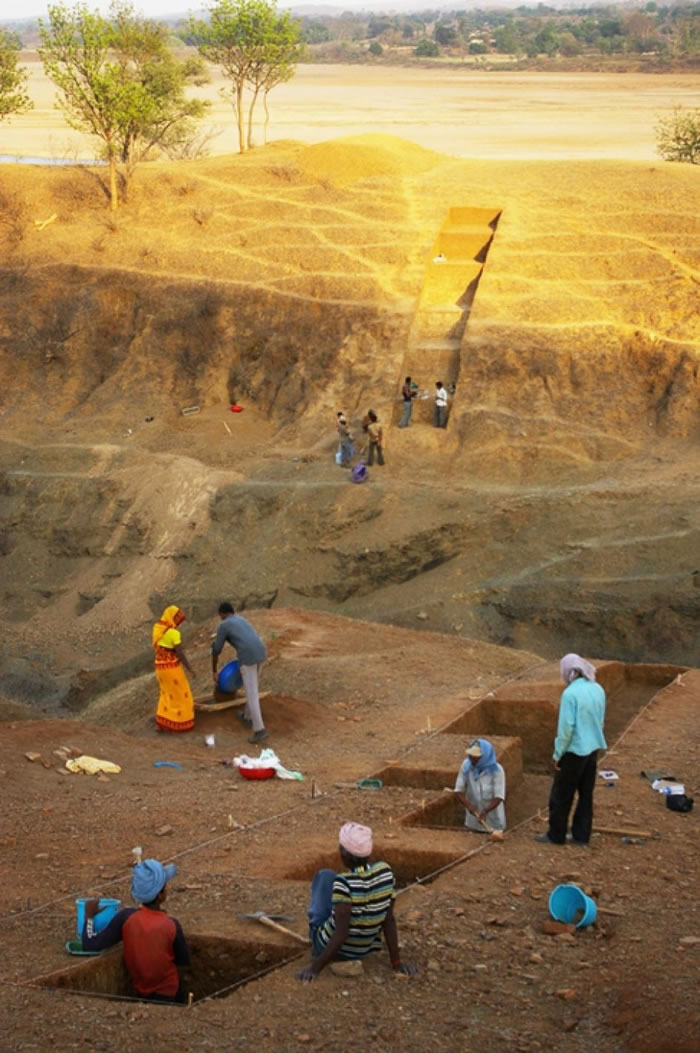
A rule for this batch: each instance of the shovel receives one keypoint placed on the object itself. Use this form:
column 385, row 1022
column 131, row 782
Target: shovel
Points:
column 268, row 919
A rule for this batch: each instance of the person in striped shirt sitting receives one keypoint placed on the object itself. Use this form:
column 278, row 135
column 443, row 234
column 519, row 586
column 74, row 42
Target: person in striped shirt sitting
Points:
column 349, row 911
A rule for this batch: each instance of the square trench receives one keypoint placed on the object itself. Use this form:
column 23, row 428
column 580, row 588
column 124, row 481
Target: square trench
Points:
column 218, row 966
column 409, row 864
column 445, row 812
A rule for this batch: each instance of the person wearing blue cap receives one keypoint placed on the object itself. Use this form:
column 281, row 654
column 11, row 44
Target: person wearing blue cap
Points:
column 154, row 943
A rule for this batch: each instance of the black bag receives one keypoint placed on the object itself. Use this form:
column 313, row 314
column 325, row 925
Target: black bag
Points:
column 679, row 802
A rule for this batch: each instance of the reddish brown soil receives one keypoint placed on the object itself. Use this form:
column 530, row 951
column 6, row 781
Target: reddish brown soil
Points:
column 488, row 974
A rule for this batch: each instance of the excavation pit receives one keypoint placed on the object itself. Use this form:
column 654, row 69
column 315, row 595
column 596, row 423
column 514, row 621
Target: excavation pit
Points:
column 439, row 760
column 529, row 709
column 218, row 966
column 445, row 811
column 408, row 864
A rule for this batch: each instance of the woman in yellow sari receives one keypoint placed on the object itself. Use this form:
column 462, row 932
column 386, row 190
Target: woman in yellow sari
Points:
column 175, row 706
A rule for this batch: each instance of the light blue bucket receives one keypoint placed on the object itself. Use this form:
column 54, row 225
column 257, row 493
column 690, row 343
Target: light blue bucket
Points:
column 566, row 903
column 108, row 908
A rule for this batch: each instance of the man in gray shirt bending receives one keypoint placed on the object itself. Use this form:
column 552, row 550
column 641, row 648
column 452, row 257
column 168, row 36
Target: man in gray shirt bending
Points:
column 251, row 653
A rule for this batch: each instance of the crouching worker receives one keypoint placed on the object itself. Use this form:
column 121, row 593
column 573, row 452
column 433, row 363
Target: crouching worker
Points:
column 349, row 911
column 481, row 788
column 154, row 944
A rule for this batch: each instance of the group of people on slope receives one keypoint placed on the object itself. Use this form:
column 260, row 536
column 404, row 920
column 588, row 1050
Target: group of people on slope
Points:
column 175, row 711
column 409, row 392
column 372, row 427
column 349, row 912
column 346, row 440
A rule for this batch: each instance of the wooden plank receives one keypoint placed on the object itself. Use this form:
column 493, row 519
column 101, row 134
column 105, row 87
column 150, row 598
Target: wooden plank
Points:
column 214, row 707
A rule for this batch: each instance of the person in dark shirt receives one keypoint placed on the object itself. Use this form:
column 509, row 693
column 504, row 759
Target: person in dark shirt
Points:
column 154, row 943
column 251, row 653
column 408, row 393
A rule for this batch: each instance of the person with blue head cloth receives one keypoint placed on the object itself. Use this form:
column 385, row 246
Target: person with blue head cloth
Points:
column 154, row 943
column 481, row 788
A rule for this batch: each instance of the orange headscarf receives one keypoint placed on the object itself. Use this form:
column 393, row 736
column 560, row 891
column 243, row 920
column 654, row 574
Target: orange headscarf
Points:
column 171, row 618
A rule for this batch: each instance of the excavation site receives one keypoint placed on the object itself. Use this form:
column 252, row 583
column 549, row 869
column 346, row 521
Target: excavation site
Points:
column 177, row 381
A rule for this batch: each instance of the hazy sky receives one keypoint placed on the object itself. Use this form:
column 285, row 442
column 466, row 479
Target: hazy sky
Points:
column 12, row 9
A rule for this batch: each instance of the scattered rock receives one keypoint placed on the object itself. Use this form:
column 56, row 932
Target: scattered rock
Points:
column 517, row 890
column 567, row 993
column 422, row 616
column 352, row 967
column 162, row 831
column 42, row 855
column 433, row 966
column 566, row 937
column 557, row 928
column 480, row 967
column 689, row 941
column 33, row 756
column 102, row 777
column 536, row 959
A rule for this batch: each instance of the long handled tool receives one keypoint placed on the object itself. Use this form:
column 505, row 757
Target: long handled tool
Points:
column 267, row 919
column 496, row 835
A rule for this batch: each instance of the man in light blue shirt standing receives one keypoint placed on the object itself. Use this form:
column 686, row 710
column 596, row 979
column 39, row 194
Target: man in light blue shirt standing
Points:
column 579, row 737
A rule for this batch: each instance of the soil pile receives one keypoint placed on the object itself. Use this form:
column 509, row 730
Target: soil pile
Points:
column 358, row 157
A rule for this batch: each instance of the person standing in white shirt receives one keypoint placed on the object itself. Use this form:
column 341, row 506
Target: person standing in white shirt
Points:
column 440, row 405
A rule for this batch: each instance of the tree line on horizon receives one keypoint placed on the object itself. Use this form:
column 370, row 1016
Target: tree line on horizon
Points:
column 523, row 33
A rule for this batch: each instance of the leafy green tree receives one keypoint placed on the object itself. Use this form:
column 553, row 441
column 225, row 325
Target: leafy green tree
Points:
column 427, row 48
column 375, row 48
column 254, row 45
column 13, row 96
column 445, row 34
column 315, row 32
column 117, row 80
column 678, row 136
column 507, row 40
column 275, row 64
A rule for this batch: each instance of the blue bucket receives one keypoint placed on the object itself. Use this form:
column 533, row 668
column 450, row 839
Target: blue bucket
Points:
column 567, row 901
column 230, row 679
column 108, row 908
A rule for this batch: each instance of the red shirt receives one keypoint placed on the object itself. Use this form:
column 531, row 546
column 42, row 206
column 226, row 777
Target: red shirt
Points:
column 154, row 945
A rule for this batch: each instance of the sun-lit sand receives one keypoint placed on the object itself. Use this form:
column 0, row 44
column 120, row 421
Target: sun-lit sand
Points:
column 467, row 114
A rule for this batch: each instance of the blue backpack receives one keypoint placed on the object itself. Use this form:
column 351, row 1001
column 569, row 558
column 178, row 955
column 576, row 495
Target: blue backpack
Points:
column 359, row 474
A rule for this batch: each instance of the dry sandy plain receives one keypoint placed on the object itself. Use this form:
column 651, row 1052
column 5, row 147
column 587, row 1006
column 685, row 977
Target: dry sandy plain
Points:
column 464, row 113
column 559, row 510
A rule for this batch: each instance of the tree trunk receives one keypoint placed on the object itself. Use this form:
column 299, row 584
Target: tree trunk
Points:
column 267, row 119
column 250, row 118
column 239, row 116
column 113, row 195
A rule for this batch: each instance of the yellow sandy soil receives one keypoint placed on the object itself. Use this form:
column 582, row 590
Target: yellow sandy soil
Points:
column 467, row 114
